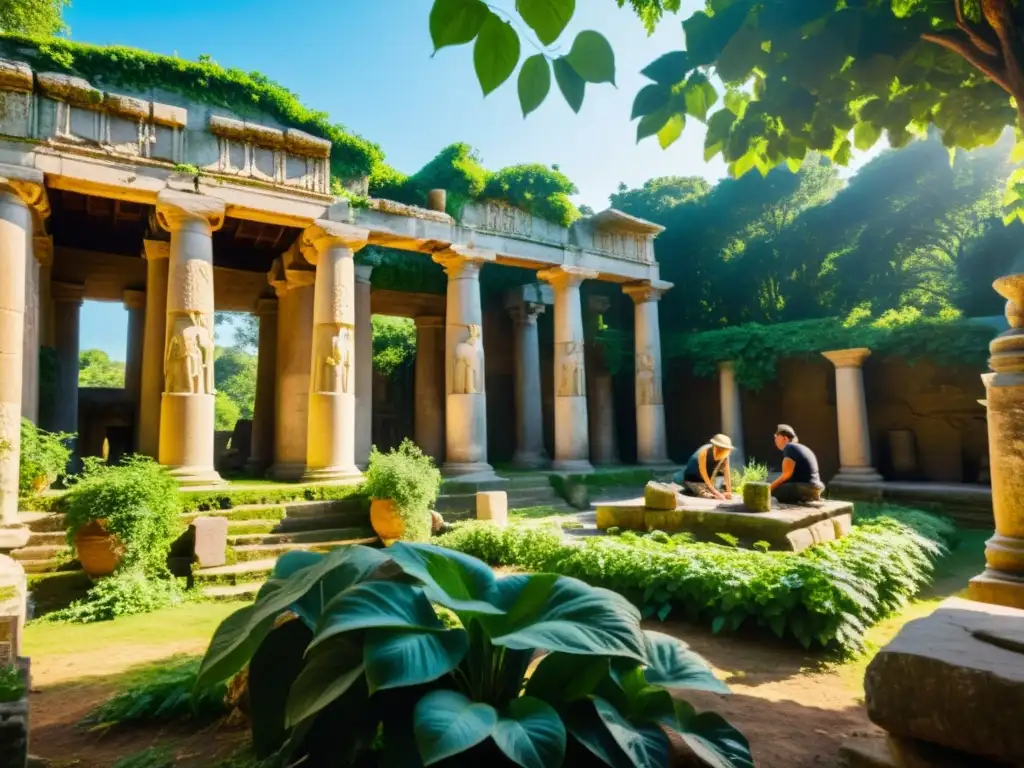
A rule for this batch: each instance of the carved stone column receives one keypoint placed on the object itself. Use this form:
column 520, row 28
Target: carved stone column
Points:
column 651, row 442
column 732, row 411
column 429, row 422
column 154, row 340
column 67, row 312
column 855, row 464
column 604, row 442
column 42, row 247
column 466, row 400
column 262, row 448
column 572, row 439
column 1002, row 582
column 331, row 437
column 21, row 190
column 30, row 353
column 187, row 404
column 530, row 453
column 364, row 366
column 135, row 303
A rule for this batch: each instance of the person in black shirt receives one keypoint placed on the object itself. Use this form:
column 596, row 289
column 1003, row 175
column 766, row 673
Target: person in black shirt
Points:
column 800, row 482
column 700, row 476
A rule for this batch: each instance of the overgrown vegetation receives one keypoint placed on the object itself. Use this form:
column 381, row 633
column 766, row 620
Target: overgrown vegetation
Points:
column 44, row 458
column 12, row 684
column 408, row 478
column 752, row 472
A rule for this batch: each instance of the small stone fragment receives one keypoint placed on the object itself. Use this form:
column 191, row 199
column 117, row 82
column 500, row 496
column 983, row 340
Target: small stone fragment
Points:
column 757, row 497
column 659, row 496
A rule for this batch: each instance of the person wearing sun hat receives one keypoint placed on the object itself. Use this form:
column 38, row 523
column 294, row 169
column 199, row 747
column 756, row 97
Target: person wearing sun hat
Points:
column 700, row 476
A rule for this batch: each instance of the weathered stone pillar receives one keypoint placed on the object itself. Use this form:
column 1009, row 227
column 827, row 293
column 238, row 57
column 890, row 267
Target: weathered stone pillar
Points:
column 429, row 424
column 466, row 400
column 42, row 247
column 154, row 339
column 852, row 415
column 294, row 287
column 651, row 442
column 331, row 437
column 364, row 366
column 135, row 303
column 187, row 404
column 572, row 439
column 524, row 310
column 604, row 441
column 67, row 311
column 261, row 452
column 20, row 190
column 1002, row 582
column 30, row 347
column 732, row 411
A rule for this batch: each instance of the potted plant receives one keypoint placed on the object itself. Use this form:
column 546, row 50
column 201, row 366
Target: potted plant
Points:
column 44, row 458
column 403, row 485
column 123, row 514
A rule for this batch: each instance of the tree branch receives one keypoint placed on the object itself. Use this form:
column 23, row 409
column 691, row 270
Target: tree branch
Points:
column 987, row 65
column 976, row 37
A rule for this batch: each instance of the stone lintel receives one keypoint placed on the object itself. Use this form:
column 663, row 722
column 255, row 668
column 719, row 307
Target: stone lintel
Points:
column 155, row 249
column 265, row 306
column 15, row 76
column 73, row 293
column 410, row 211
column 566, row 276
column 848, row 358
column 302, row 143
column 531, row 293
column 326, row 234
column 429, row 321
column 247, row 133
column 126, row 106
column 176, row 209
column 73, row 90
column 646, row 290
column 171, row 116
column 134, row 299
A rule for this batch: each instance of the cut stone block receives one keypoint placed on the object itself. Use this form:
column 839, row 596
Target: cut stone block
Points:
column 210, row 542
column 628, row 517
column 893, row 752
column 669, row 520
column 757, row 497
column 659, row 496
column 955, row 678
column 493, row 507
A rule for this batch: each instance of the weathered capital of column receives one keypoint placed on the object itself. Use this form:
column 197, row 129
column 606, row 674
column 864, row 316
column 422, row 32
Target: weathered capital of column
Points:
column 180, row 210
column 28, row 186
column 153, row 250
column 647, row 290
column 525, row 313
column 326, row 234
column 72, row 293
column 265, row 306
column 463, row 261
column 283, row 279
column 566, row 277
column 42, row 247
column 363, row 273
column 848, row 358
column 134, row 299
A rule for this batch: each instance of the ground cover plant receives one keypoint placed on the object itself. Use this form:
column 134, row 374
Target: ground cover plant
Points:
column 419, row 654
column 825, row 596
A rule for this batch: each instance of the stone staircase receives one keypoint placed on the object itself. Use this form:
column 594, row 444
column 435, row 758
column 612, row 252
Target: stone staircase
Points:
column 458, row 498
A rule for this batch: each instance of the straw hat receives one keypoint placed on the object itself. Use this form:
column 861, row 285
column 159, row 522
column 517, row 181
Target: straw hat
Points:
column 722, row 441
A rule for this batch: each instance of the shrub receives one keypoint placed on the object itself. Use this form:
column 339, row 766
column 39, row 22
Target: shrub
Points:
column 44, row 457
column 752, row 472
column 128, row 591
column 12, row 684
column 408, row 478
column 347, row 656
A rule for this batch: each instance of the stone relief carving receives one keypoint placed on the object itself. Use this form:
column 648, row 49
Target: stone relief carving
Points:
column 505, row 218
column 197, row 284
column 572, row 379
column 468, row 364
column 188, row 367
column 334, row 362
column 624, row 245
column 648, row 388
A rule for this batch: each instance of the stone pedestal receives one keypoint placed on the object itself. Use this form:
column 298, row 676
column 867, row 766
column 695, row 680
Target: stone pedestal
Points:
column 364, row 366
column 466, row 398
column 331, row 435
column 261, row 452
column 525, row 305
column 732, row 412
column 154, row 339
column 604, row 442
column 652, row 444
column 572, row 430
column 135, row 303
column 852, row 416
column 67, row 311
column 187, row 404
column 429, row 424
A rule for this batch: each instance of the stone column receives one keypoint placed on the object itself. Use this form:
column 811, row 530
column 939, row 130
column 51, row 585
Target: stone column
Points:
column 604, row 442
column 732, row 411
column 651, row 442
column 530, row 453
column 466, row 399
column 30, row 347
column 67, row 311
column 261, row 452
column 1002, row 582
column 18, row 196
column 187, row 403
column 42, row 247
column 429, row 423
column 572, row 439
column 331, row 437
column 154, row 338
column 364, row 366
column 852, row 415
column 135, row 303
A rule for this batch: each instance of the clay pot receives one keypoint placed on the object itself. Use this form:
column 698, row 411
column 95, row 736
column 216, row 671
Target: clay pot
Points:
column 99, row 552
column 386, row 521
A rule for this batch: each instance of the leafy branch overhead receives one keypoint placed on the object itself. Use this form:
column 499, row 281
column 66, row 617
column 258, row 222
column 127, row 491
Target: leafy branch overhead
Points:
column 498, row 44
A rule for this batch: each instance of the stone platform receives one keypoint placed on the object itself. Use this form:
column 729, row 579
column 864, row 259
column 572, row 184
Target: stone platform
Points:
column 785, row 528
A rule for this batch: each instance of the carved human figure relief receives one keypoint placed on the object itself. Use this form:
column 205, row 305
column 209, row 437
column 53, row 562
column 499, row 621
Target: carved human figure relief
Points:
column 572, row 382
column 334, row 362
column 647, row 390
column 467, row 364
column 188, row 366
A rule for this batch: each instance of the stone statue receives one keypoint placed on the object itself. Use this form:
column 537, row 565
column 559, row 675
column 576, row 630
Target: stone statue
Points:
column 573, row 381
column 188, row 366
column 336, row 364
column 646, row 381
column 468, row 355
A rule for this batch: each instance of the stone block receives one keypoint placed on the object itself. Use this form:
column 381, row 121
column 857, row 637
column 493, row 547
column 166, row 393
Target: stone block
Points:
column 660, row 496
column 757, row 497
column 210, row 542
column 668, row 520
column 893, row 752
column 493, row 507
column 842, row 525
column 629, row 516
column 956, row 679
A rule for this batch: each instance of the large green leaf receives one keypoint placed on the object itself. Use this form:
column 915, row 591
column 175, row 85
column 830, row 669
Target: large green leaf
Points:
column 548, row 18
column 563, row 677
column 446, row 723
column 671, row 130
column 699, row 96
column 651, row 124
column 274, row 666
column 706, row 35
column 628, row 691
column 397, row 658
column 644, row 745
column 672, row 664
column 570, row 83
column 716, row 743
column 649, row 99
column 380, row 605
column 495, row 53
column 343, row 732
column 534, row 83
column 592, row 57
column 456, row 581
column 557, row 613
column 669, row 69
column 456, row 22
column 531, row 734
column 586, row 726
column 329, row 671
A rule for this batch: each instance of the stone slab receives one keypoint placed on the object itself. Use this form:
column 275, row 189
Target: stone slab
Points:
column 955, row 678
column 210, row 542
column 893, row 752
column 492, row 506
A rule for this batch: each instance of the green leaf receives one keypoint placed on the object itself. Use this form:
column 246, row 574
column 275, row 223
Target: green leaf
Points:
column 644, row 745
column 736, row 102
column 706, row 35
column 669, row 69
column 378, row 605
column 671, row 130
column 396, row 659
column 649, row 125
column 700, row 96
column 456, row 22
column 586, row 726
column 531, row 734
column 548, row 18
column 592, row 57
column 866, row 135
column 534, row 83
column 715, row 743
column 672, row 664
column 564, row 677
column 330, row 670
column 495, row 53
column 649, row 99
column 570, row 83
column 446, row 723
column 456, row 581
column 274, row 666
column 1016, row 155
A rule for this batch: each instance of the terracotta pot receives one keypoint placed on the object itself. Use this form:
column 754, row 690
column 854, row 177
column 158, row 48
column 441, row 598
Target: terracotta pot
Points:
column 386, row 521
column 99, row 552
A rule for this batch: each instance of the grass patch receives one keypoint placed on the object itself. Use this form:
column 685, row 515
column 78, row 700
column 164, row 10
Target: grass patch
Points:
column 537, row 513
column 228, row 498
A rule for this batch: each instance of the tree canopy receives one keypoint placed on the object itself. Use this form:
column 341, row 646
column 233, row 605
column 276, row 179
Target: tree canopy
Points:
column 33, row 17
column 96, row 369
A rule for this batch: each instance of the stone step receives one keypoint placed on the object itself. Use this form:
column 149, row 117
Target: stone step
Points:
column 47, row 538
column 353, row 507
column 44, row 552
column 323, row 522
column 300, row 537
column 43, row 522
column 251, row 552
column 243, row 592
column 272, row 512
column 242, row 527
column 47, row 565
column 236, row 573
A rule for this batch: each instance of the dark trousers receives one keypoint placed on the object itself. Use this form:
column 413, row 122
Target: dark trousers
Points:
column 797, row 493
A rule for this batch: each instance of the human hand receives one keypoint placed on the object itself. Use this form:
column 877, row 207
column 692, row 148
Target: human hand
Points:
column 728, row 496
